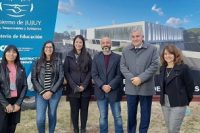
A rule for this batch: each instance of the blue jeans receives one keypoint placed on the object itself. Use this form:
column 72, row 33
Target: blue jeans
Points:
column 145, row 105
column 116, row 111
column 41, row 108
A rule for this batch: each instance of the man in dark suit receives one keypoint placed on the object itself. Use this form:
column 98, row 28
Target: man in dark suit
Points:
column 108, row 85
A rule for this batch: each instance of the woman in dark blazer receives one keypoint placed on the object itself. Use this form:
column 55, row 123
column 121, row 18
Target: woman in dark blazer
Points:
column 77, row 71
column 13, row 86
column 176, row 87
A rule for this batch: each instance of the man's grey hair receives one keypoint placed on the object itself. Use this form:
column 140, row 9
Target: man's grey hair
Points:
column 138, row 30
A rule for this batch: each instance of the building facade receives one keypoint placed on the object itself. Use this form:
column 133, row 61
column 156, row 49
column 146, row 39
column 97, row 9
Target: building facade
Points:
column 120, row 33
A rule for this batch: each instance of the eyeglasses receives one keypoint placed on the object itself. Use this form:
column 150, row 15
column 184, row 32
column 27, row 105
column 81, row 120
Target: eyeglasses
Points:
column 49, row 47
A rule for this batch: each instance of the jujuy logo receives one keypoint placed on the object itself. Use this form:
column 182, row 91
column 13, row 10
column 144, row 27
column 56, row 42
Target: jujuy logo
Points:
column 16, row 8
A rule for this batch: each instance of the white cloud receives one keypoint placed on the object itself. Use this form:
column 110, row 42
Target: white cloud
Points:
column 67, row 7
column 185, row 20
column 157, row 10
column 79, row 13
column 176, row 21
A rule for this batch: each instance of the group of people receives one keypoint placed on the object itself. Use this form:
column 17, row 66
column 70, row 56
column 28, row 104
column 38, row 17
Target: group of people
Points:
column 138, row 64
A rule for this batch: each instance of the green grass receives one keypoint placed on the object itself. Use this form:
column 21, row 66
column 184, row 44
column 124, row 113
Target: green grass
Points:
column 28, row 121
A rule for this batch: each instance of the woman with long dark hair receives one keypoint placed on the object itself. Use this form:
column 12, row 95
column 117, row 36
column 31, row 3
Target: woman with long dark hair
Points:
column 47, row 78
column 177, row 87
column 13, row 86
column 77, row 69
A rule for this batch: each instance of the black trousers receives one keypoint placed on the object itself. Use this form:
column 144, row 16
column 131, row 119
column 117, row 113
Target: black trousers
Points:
column 77, row 104
column 6, row 123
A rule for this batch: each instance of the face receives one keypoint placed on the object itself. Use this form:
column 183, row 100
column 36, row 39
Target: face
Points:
column 106, row 44
column 168, row 57
column 11, row 55
column 48, row 49
column 78, row 44
column 137, row 38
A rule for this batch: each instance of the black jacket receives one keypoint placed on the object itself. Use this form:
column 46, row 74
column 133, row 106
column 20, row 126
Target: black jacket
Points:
column 21, row 84
column 57, row 76
column 76, row 77
column 179, row 85
column 112, row 77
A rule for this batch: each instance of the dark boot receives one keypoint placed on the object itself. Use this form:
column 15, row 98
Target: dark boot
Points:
column 83, row 130
column 76, row 130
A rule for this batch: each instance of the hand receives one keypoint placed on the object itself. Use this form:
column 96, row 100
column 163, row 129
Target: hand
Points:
column 16, row 108
column 47, row 95
column 9, row 108
column 81, row 88
column 106, row 88
column 136, row 81
column 65, row 82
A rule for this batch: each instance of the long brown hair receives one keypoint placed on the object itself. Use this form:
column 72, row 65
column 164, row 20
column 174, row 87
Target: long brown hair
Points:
column 172, row 49
column 84, row 55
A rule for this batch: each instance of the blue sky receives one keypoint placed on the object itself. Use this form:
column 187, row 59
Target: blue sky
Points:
column 82, row 14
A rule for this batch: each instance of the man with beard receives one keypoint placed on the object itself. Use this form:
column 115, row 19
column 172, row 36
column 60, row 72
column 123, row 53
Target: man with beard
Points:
column 108, row 85
column 139, row 64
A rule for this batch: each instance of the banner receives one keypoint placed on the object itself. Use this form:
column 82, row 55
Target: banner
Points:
column 27, row 24
column 161, row 25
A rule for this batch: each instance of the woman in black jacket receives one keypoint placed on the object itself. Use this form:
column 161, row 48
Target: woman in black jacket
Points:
column 47, row 78
column 176, row 87
column 13, row 86
column 77, row 69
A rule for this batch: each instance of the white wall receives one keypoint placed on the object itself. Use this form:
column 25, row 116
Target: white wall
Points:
column 90, row 33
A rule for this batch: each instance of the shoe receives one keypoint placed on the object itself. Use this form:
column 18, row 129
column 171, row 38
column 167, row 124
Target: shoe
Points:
column 83, row 130
column 76, row 130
